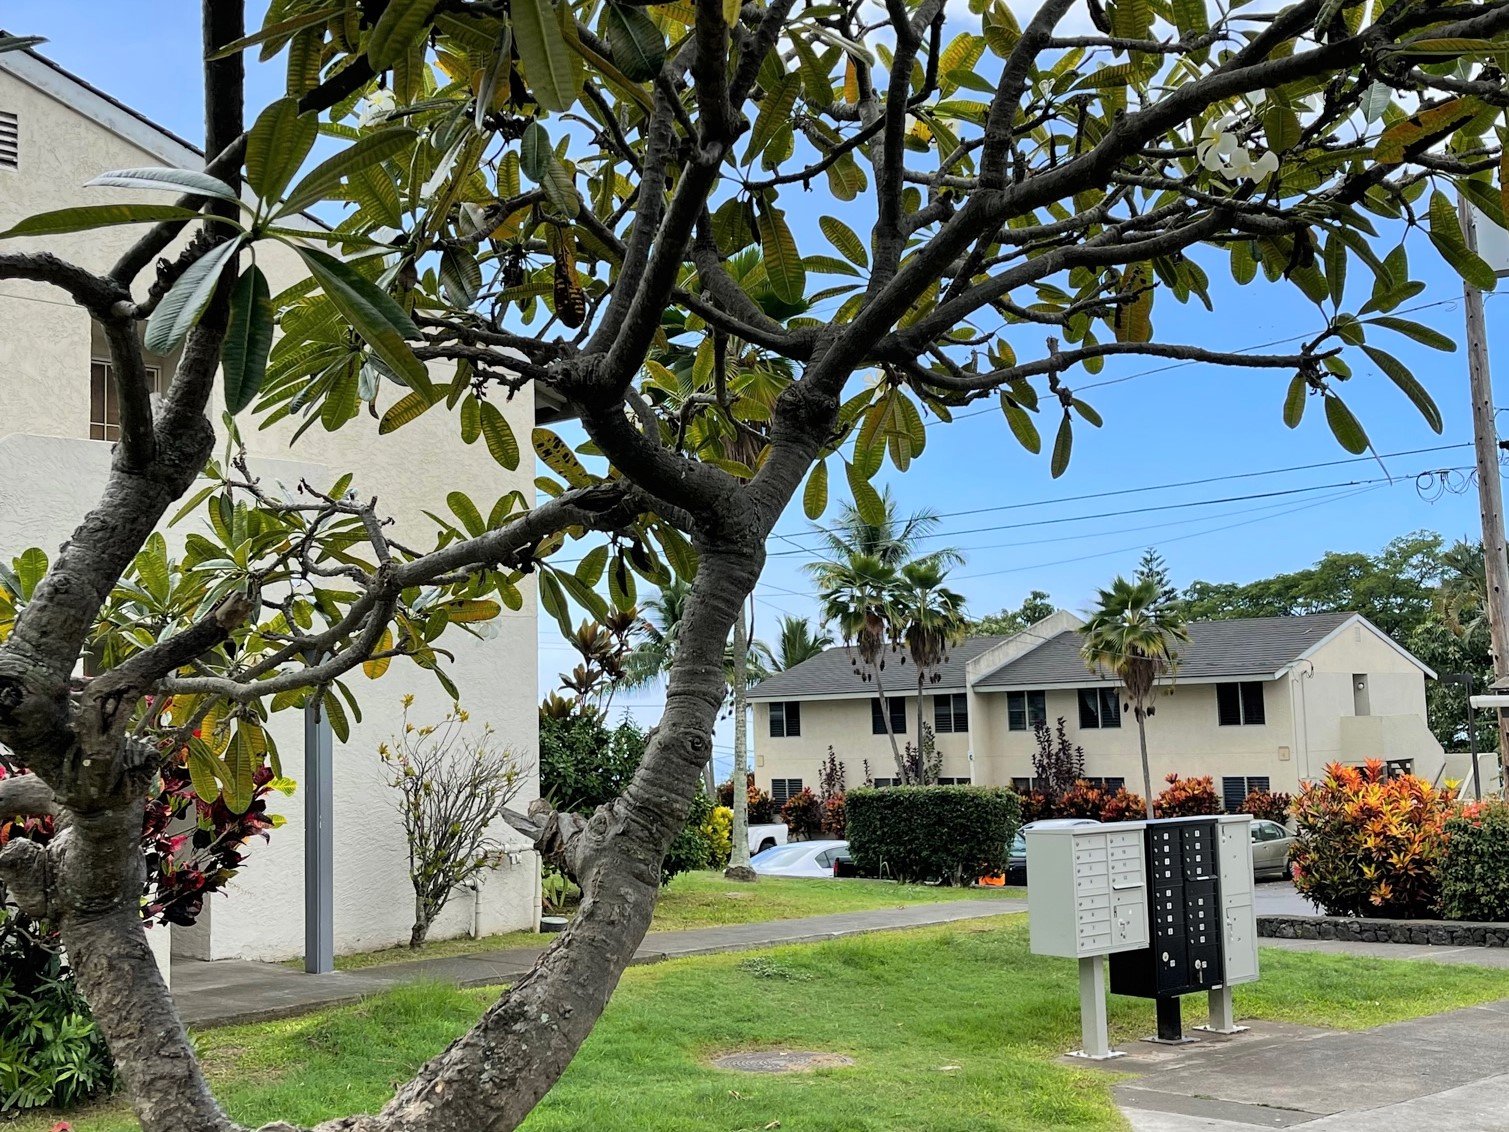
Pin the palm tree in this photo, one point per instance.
(932, 622)
(859, 597)
(798, 642)
(1134, 635)
(892, 542)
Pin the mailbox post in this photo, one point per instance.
(1086, 899)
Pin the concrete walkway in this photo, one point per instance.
(232, 990)
(1444, 1071)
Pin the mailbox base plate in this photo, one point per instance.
(1109, 1055)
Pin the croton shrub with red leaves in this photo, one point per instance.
(1367, 844)
(1187, 798)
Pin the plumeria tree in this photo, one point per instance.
(950, 205)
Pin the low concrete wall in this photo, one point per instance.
(1442, 933)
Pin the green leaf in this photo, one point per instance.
(1400, 375)
(326, 177)
(20, 42)
(410, 407)
(1425, 335)
(815, 495)
(275, 34)
(499, 437)
(374, 315)
(783, 263)
(542, 49)
(1344, 426)
(248, 339)
(1021, 425)
(867, 501)
(395, 31)
(170, 180)
(181, 307)
(96, 216)
(775, 112)
(534, 152)
(1294, 400)
(460, 276)
(1063, 445)
(590, 569)
(637, 45)
(680, 553)
(277, 145)
(842, 237)
(554, 601)
(1446, 235)
(1336, 267)
(464, 509)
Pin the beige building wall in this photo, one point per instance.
(50, 475)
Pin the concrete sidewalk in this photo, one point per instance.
(232, 990)
(1444, 1071)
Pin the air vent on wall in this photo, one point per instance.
(10, 141)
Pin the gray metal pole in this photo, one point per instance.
(1472, 743)
(1490, 488)
(319, 877)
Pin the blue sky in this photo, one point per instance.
(1164, 424)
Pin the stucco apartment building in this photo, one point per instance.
(57, 419)
(1261, 703)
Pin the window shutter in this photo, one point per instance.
(1233, 792)
(1089, 710)
(1252, 702)
(1110, 707)
(1257, 782)
(943, 715)
(961, 713)
(777, 720)
(877, 721)
(1228, 705)
(1037, 708)
(898, 715)
(10, 140)
(793, 718)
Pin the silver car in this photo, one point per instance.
(1270, 849)
(800, 859)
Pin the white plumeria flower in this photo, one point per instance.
(376, 107)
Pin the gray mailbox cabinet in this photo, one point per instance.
(1087, 890)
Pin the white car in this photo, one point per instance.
(800, 859)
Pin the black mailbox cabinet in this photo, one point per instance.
(1185, 914)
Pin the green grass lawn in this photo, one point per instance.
(953, 1029)
(706, 900)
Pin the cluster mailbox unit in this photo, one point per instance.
(1170, 901)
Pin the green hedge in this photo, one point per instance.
(1475, 873)
(955, 834)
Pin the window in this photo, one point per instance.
(10, 140)
(785, 719)
(1022, 785)
(1025, 710)
(954, 782)
(1235, 788)
(1238, 704)
(898, 716)
(882, 783)
(104, 405)
(782, 789)
(951, 714)
(1099, 707)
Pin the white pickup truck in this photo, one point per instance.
(762, 837)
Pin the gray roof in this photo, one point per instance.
(831, 673)
(1248, 646)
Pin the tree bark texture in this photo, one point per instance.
(738, 858)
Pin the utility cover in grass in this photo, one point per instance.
(781, 1061)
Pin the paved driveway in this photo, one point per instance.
(1278, 898)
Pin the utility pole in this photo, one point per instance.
(1490, 487)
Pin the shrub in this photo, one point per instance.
(1082, 800)
(51, 1052)
(1057, 764)
(1369, 845)
(1475, 872)
(925, 833)
(761, 806)
(803, 815)
(585, 764)
(719, 831)
(1187, 798)
(693, 848)
(1123, 806)
(834, 817)
(1267, 805)
(1037, 805)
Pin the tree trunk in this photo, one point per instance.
(421, 930)
(738, 858)
(1147, 775)
(885, 715)
(919, 710)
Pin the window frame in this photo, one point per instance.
(877, 721)
(1243, 696)
(1106, 708)
(1033, 710)
(10, 126)
(110, 431)
(790, 712)
(951, 707)
(1250, 782)
(780, 799)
